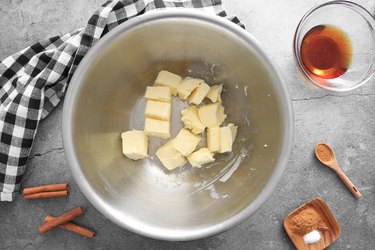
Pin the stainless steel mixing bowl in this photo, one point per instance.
(105, 99)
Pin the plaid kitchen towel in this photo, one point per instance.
(34, 80)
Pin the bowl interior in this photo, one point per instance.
(142, 195)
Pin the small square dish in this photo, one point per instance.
(313, 215)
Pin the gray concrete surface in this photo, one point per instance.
(345, 120)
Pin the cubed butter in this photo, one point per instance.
(158, 110)
(213, 139)
(190, 118)
(170, 157)
(157, 128)
(215, 93)
(185, 142)
(221, 114)
(233, 129)
(134, 144)
(226, 140)
(199, 93)
(212, 115)
(200, 157)
(158, 93)
(187, 86)
(168, 79)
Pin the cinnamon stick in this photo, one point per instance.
(73, 227)
(46, 188)
(62, 219)
(46, 194)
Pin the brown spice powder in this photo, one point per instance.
(305, 221)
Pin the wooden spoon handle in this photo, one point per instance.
(348, 183)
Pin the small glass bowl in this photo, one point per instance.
(359, 26)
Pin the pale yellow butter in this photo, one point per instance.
(226, 140)
(221, 114)
(187, 86)
(170, 157)
(227, 136)
(215, 93)
(158, 110)
(212, 115)
(199, 93)
(200, 157)
(157, 128)
(158, 93)
(190, 118)
(220, 139)
(134, 144)
(233, 129)
(213, 139)
(185, 142)
(168, 79)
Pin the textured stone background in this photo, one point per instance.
(345, 120)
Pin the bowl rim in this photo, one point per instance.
(140, 228)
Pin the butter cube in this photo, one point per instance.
(134, 144)
(158, 93)
(213, 139)
(157, 128)
(199, 93)
(226, 140)
(158, 110)
(221, 114)
(190, 118)
(187, 86)
(221, 139)
(212, 115)
(168, 79)
(169, 156)
(215, 93)
(233, 129)
(200, 157)
(185, 142)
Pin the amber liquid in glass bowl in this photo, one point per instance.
(326, 51)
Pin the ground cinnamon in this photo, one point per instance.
(62, 219)
(305, 221)
(70, 226)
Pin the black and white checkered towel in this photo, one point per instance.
(34, 80)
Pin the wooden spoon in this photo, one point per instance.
(325, 155)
